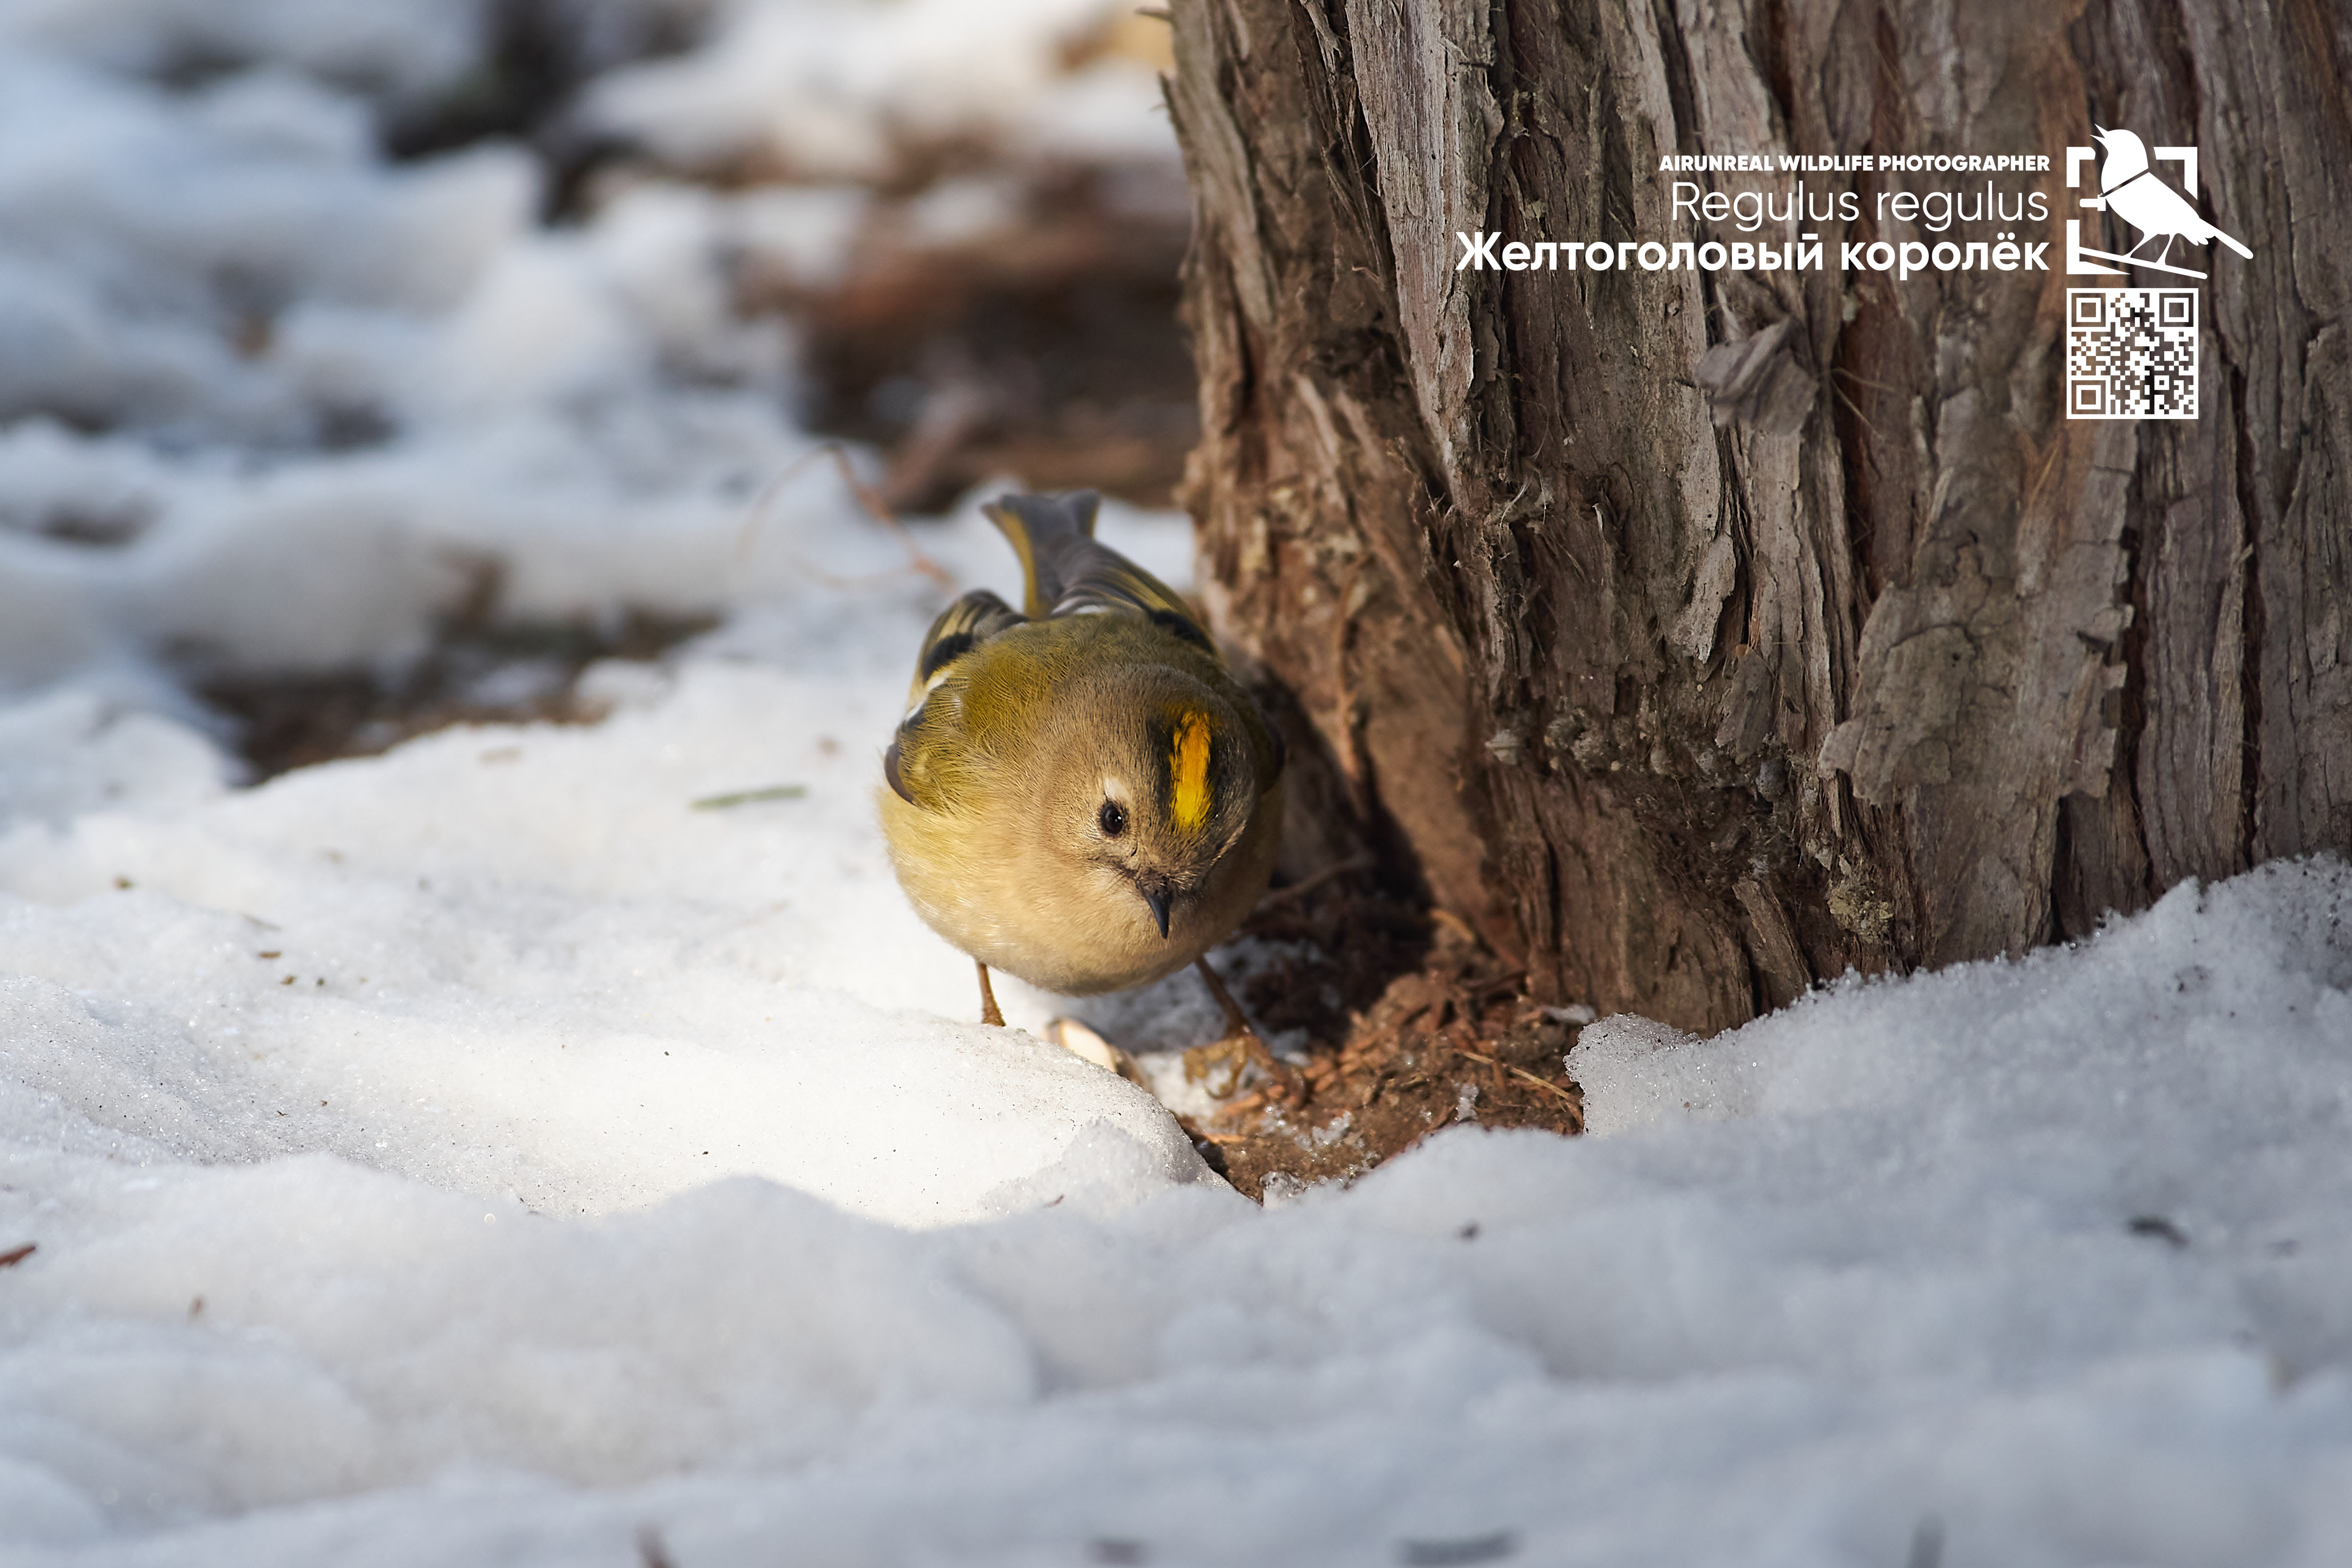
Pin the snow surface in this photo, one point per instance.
(828, 89)
(484, 1155)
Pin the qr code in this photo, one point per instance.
(2131, 353)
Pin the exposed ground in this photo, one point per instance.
(1046, 347)
(1413, 1024)
(475, 673)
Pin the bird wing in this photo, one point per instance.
(2153, 207)
(976, 618)
(960, 628)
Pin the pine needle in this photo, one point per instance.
(751, 797)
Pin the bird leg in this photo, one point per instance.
(1237, 1023)
(1241, 1046)
(988, 1013)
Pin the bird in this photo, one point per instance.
(1080, 794)
(2129, 189)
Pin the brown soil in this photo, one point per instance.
(1047, 350)
(1414, 1026)
(286, 722)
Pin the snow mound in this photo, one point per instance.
(2045, 1259)
(523, 961)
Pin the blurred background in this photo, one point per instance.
(365, 368)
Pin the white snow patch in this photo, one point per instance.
(838, 91)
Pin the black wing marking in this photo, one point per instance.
(960, 628)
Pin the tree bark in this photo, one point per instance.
(1687, 717)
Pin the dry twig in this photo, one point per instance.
(874, 507)
(1543, 1083)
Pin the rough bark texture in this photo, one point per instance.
(1687, 717)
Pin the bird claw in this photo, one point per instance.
(1201, 1062)
(1236, 1054)
(1242, 1049)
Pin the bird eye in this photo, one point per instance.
(1112, 819)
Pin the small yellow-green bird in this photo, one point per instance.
(1080, 793)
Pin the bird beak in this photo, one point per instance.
(1158, 899)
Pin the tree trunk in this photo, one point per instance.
(1687, 717)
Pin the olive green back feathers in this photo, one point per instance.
(1080, 793)
(1065, 573)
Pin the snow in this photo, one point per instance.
(484, 1153)
(839, 92)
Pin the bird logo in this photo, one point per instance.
(2133, 191)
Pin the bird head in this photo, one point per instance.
(1147, 781)
(2127, 153)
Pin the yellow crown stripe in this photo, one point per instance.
(1188, 771)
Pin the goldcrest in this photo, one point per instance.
(1080, 793)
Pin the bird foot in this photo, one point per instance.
(1241, 1048)
(1222, 1067)
(1204, 1063)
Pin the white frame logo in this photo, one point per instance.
(2130, 350)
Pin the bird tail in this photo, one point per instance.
(2233, 245)
(1041, 529)
(1066, 573)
